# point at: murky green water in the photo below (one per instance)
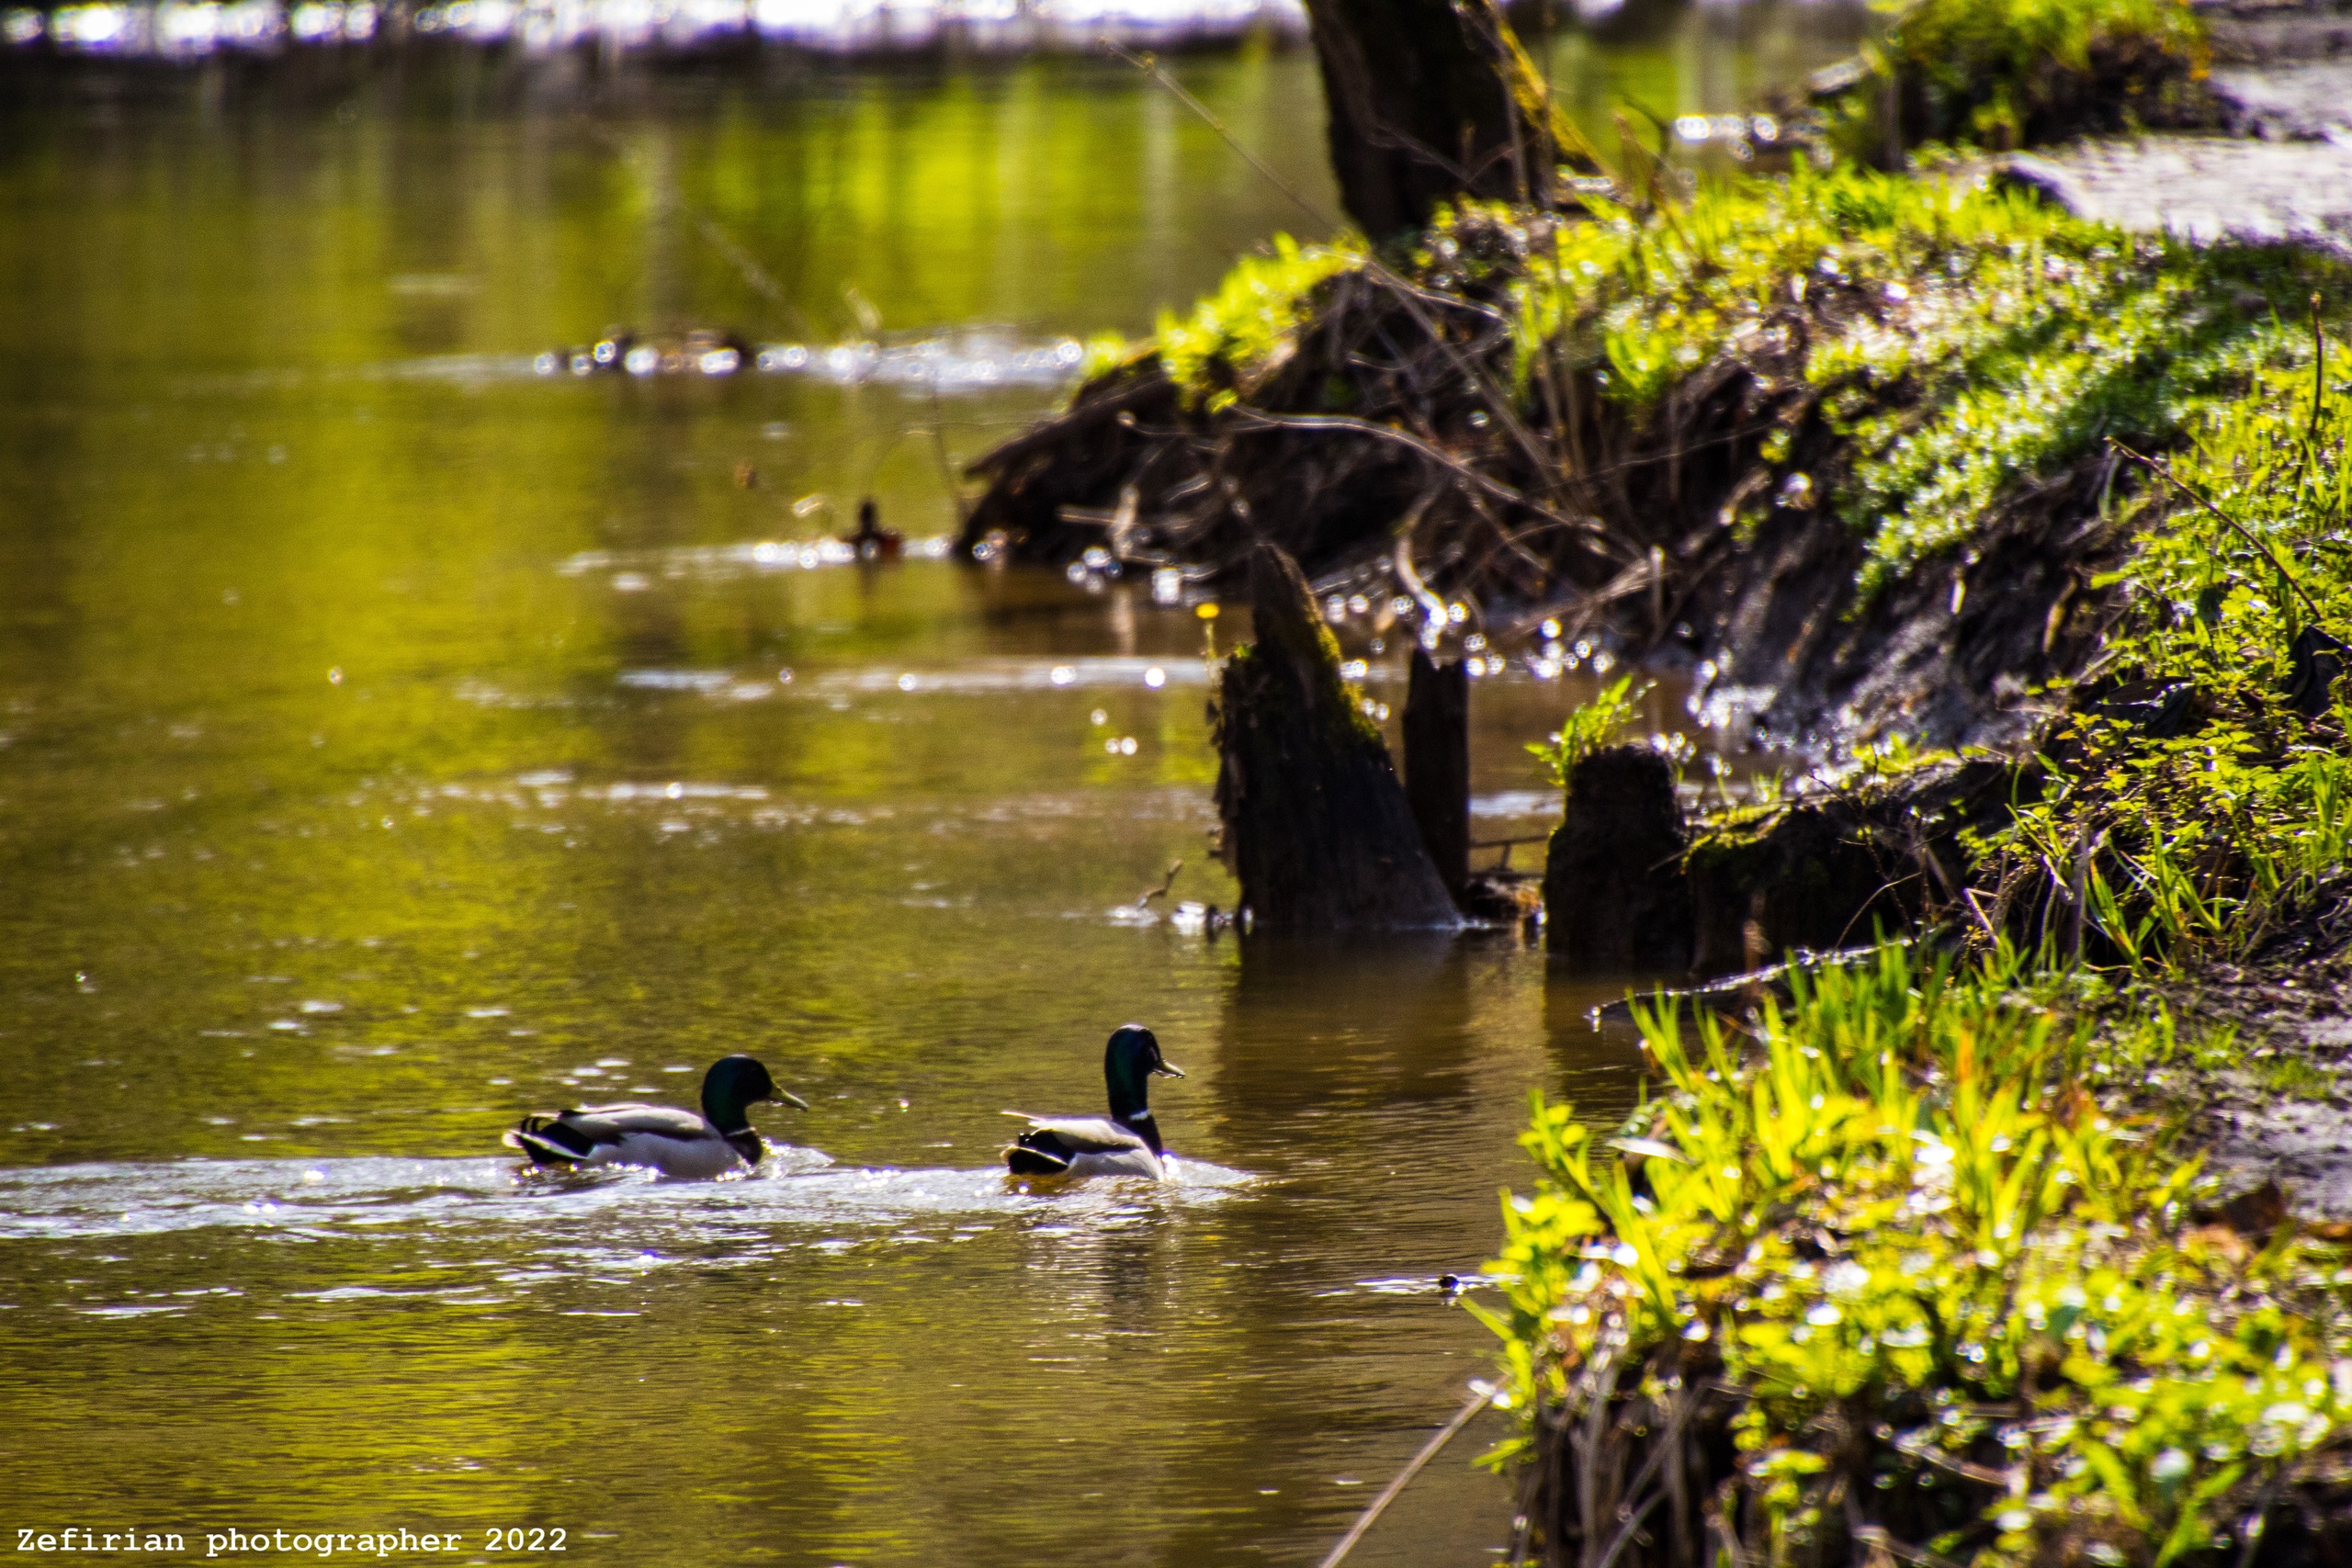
(393, 740)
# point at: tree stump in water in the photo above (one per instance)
(1615, 899)
(1317, 827)
(1437, 764)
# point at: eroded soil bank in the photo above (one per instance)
(2030, 525)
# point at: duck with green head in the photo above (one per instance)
(1126, 1143)
(666, 1139)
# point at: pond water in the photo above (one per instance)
(394, 740)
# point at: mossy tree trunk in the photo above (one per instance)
(1317, 827)
(1430, 101)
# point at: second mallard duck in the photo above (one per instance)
(1126, 1143)
(667, 1138)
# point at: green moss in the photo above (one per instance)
(2002, 73)
(1961, 343)
(1106, 352)
(1957, 1293)
(1255, 310)
(1342, 700)
(2293, 1076)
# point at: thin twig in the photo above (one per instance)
(1875, 1535)
(1984, 921)
(1631, 1524)
(1432, 607)
(1663, 1452)
(2245, 533)
(2319, 372)
(1254, 418)
(1149, 65)
(718, 238)
(1477, 1402)
(2253, 1530)
(946, 468)
(1161, 891)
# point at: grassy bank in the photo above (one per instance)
(1920, 1265)
(1890, 1270)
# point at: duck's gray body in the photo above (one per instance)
(1125, 1143)
(676, 1141)
(1081, 1145)
(666, 1139)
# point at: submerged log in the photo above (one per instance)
(1317, 827)
(1817, 877)
(1437, 764)
(1615, 896)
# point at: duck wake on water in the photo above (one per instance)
(719, 1140)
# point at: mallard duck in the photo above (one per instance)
(1126, 1143)
(672, 1141)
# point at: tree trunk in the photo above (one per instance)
(1430, 102)
(1437, 764)
(1317, 827)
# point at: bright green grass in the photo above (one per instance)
(2207, 843)
(2014, 1272)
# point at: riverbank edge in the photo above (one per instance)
(2027, 529)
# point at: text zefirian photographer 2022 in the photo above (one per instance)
(229, 1542)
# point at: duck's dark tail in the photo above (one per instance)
(548, 1141)
(1036, 1154)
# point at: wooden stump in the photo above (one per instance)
(1317, 827)
(1615, 899)
(1437, 764)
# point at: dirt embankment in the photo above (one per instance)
(1396, 441)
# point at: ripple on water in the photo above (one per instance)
(798, 1188)
(978, 677)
